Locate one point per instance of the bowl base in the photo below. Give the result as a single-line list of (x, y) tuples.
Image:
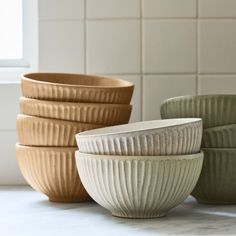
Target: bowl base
[(216, 202), (70, 200), (135, 216)]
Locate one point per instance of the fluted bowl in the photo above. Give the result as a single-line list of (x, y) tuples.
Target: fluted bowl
[(217, 182), (215, 110), (76, 88), (93, 113), (139, 186), (52, 171), (151, 138)]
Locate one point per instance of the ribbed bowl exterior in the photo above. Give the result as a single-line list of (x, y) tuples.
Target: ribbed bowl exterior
[(217, 182), (103, 114), (139, 187), (220, 137), (35, 131), (67, 93), (179, 140), (52, 171), (215, 110)]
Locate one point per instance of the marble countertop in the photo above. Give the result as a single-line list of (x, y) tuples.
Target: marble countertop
[(25, 212)]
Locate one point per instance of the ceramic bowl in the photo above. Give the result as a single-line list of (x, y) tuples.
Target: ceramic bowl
[(52, 171), (217, 182), (76, 88), (94, 113), (151, 138), (35, 131), (139, 186), (220, 137), (215, 110)]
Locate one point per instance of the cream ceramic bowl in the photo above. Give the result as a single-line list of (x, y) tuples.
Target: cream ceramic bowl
[(220, 137), (150, 138), (139, 186), (94, 113), (76, 88), (52, 171), (35, 131), (215, 110), (217, 182)]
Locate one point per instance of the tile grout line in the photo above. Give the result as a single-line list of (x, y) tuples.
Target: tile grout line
[(197, 47), (141, 61), (85, 36)]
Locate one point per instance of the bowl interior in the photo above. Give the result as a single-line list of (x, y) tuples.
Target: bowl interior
[(139, 126), (76, 79)]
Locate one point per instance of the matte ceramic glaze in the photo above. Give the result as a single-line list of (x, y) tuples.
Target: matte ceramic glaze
[(220, 137), (76, 88), (217, 182), (159, 137), (94, 113), (139, 186), (52, 171), (215, 110), (36, 131)]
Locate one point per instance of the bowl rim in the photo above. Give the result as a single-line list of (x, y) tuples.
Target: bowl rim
[(117, 129), (220, 149), (77, 104), (219, 128), (200, 154), (19, 146), (186, 97), (123, 83)]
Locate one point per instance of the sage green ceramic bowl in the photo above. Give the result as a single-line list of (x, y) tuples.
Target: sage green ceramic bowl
[(220, 137), (215, 110), (217, 182)]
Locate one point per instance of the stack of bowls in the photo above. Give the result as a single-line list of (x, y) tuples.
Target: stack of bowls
[(55, 107), (217, 183), (141, 170)]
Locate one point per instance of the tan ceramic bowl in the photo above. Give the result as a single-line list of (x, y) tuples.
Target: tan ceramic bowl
[(217, 182), (220, 137), (94, 113), (76, 88), (215, 110), (139, 186), (148, 138), (35, 131), (52, 171)]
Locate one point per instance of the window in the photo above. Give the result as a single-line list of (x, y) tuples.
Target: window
[(18, 38)]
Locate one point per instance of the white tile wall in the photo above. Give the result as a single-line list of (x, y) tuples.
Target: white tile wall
[(169, 46), (169, 8), (166, 47)]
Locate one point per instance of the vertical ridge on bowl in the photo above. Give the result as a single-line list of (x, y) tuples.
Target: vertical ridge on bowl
[(94, 113), (35, 131), (217, 182), (52, 172), (138, 188), (215, 110), (220, 137), (179, 140)]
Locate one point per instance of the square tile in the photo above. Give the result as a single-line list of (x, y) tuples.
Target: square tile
[(169, 8), (113, 8), (157, 88), (136, 99), (217, 46), (217, 8), (113, 46), (9, 105), (217, 84), (61, 46), (169, 46), (9, 170), (63, 9)]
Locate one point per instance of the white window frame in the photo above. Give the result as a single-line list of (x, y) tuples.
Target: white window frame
[(10, 70)]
